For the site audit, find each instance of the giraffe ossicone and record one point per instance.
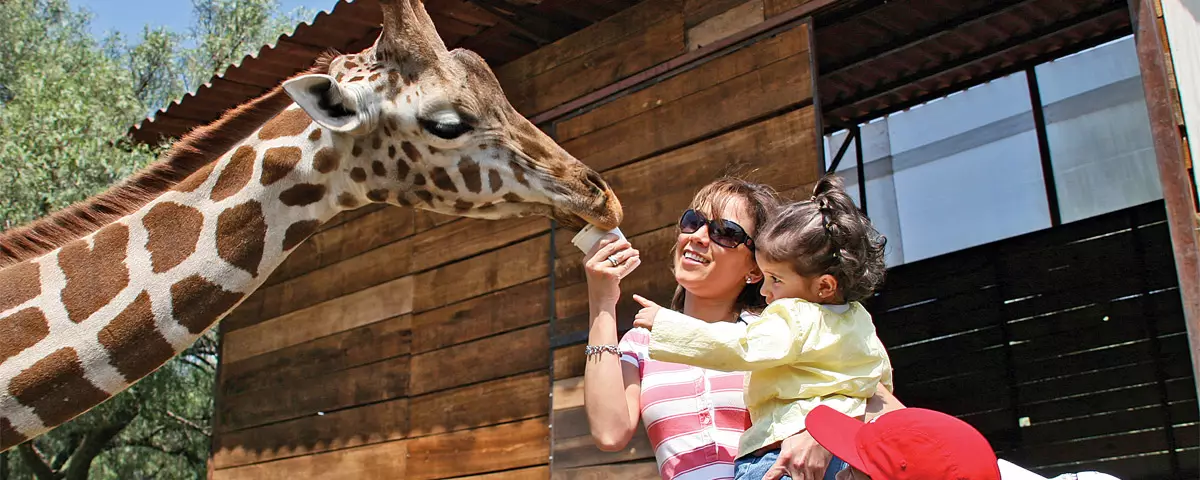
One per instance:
(101, 294)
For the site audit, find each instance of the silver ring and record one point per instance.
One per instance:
(612, 259)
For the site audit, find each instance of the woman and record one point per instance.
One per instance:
(693, 416)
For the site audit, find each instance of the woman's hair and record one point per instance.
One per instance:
(827, 234)
(760, 204)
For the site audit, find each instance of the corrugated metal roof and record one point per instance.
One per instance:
(498, 30)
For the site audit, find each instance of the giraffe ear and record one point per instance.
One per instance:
(334, 106)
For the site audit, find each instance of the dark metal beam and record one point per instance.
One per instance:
(862, 175)
(1178, 192)
(925, 35)
(837, 159)
(1043, 139)
(995, 50)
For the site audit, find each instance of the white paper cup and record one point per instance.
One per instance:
(586, 238)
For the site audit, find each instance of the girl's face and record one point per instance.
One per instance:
(780, 280)
(708, 270)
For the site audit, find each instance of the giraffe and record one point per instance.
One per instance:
(104, 292)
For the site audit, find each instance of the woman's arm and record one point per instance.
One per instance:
(611, 388)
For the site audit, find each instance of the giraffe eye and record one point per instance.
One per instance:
(446, 124)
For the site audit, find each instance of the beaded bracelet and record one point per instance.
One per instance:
(598, 349)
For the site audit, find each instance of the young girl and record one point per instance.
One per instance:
(813, 345)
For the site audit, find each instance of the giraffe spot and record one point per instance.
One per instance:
(9, 436)
(494, 180)
(357, 150)
(377, 143)
(433, 150)
(424, 196)
(386, 131)
(350, 65)
(514, 198)
(378, 195)
(533, 143)
(518, 172)
(197, 178)
(358, 174)
(173, 230)
(196, 303)
(462, 206)
(315, 135)
(235, 175)
(440, 198)
(442, 179)
(483, 146)
(391, 151)
(381, 88)
(55, 388)
(407, 99)
(402, 200)
(419, 180)
(22, 330)
(299, 232)
(393, 77)
(378, 168)
(395, 124)
(302, 194)
(22, 283)
(356, 78)
(241, 235)
(348, 200)
(487, 207)
(278, 162)
(411, 151)
(287, 124)
(339, 77)
(402, 169)
(135, 346)
(326, 160)
(94, 276)
(374, 77)
(469, 169)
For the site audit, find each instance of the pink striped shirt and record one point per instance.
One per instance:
(693, 416)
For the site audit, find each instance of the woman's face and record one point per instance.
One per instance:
(708, 270)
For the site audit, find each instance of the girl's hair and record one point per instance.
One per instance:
(827, 234)
(761, 203)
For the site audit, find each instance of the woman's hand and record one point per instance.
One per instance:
(800, 457)
(608, 262)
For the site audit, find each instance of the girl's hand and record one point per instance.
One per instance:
(608, 262)
(645, 316)
(800, 457)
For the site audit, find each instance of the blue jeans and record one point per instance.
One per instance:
(752, 467)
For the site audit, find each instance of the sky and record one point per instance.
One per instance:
(128, 16)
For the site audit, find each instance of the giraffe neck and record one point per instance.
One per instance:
(84, 322)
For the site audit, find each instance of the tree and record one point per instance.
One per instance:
(66, 102)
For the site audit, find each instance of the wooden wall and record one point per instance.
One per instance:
(403, 344)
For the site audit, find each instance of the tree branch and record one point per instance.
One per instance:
(36, 462)
(93, 444)
(190, 424)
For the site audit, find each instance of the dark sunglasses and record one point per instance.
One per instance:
(722, 232)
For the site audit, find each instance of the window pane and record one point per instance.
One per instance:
(1098, 130)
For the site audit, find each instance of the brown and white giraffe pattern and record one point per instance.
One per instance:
(117, 304)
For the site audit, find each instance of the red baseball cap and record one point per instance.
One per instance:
(910, 443)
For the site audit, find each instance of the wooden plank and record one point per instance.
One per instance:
(370, 269)
(629, 23)
(541, 471)
(569, 362)
(496, 270)
(344, 313)
(489, 403)
(352, 348)
(775, 7)
(380, 461)
(696, 12)
(354, 427)
(727, 23)
(772, 88)
(656, 43)
(1095, 424)
(351, 238)
(457, 240)
(568, 393)
(581, 451)
(493, 357)
(501, 447)
(640, 470)
(1104, 447)
(509, 309)
(376, 382)
(658, 190)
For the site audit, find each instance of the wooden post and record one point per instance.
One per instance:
(1178, 192)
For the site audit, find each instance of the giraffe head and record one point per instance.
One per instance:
(431, 128)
